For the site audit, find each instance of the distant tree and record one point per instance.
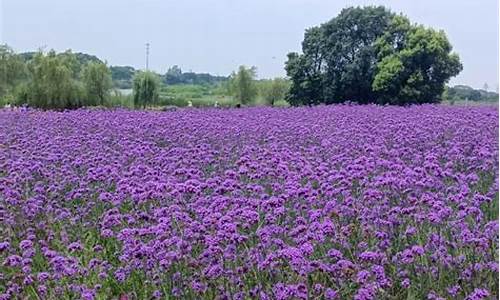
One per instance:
(173, 75)
(370, 55)
(274, 90)
(146, 86)
(243, 85)
(83, 59)
(485, 86)
(464, 92)
(122, 76)
(12, 71)
(97, 82)
(27, 56)
(53, 81)
(122, 72)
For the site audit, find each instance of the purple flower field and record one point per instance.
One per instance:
(337, 202)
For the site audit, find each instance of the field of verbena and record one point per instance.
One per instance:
(339, 202)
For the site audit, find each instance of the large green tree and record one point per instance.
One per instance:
(370, 55)
(146, 86)
(97, 81)
(306, 70)
(242, 84)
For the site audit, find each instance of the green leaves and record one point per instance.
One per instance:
(388, 70)
(414, 64)
(273, 90)
(53, 82)
(12, 71)
(371, 55)
(97, 82)
(146, 86)
(242, 84)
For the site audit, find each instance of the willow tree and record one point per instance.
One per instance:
(274, 90)
(97, 82)
(12, 71)
(145, 89)
(242, 84)
(54, 81)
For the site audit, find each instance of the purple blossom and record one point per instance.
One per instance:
(341, 201)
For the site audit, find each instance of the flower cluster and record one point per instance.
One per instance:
(337, 202)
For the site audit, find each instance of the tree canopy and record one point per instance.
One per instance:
(12, 71)
(242, 84)
(97, 82)
(464, 92)
(273, 90)
(371, 55)
(146, 86)
(53, 81)
(175, 75)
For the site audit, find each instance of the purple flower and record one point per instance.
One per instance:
(4, 246)
(43, 276)
(405, 283)
(330, 294)
(478, 294)
(75, 246)
(257, 203)
(25, 244)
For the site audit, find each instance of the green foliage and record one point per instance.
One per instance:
(53, 81)
(146, 87)
(415, 63)
(338, 60)
(273, 90)
(96, 78)
(305, 71)
(242, 85)
(370, 55)
(463, 92)
(175, 76)
(116, 99)
(199, 95)
(281, 103)
(12, 72)
(122, 76)
(81, 58)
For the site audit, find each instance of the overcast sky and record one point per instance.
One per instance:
(218, 35)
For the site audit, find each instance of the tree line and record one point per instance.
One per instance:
(364, 55)
(123, 77)
(51, 80)
(467, 93)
